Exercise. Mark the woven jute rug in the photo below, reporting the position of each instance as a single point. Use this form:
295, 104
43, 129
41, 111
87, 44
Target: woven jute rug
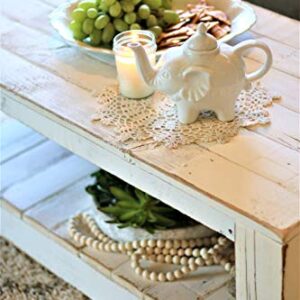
21, 278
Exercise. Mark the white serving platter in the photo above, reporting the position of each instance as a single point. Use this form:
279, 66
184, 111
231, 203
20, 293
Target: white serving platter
241, 15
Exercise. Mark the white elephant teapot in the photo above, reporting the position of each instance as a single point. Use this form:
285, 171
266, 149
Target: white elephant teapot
202, 75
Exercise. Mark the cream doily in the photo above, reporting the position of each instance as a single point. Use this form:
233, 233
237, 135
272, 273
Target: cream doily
155, 118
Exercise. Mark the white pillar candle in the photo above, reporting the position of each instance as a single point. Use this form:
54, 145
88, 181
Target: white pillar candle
131, 83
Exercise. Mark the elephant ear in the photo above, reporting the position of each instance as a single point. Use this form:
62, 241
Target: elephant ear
196, 84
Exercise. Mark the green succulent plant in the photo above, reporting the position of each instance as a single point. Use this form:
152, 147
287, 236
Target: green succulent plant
130, 207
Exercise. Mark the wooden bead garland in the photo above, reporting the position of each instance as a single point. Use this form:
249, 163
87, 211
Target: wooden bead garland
189, 254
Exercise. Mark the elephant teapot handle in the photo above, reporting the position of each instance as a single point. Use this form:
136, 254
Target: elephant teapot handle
243, 46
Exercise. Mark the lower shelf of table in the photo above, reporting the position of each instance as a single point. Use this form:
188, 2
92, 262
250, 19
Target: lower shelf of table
42, 187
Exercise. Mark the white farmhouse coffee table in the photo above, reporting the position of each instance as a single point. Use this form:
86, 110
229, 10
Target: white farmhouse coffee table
247, 189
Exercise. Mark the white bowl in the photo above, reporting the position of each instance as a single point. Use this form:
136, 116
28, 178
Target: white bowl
241, 15
137, 234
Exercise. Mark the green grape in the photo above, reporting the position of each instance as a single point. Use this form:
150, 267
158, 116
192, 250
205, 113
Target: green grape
115, 9
130, 18
135, 26
103, 7
88, 26
144, 11
86, 4
120, 15
78, 14
167, 4
75, 26
160, 12
127, 6
171, 17
135, 2
108, 33
157, 30
95, 37
151, 21
153, 4
162, 23
120, 25
109, 3
92, 13
102, 21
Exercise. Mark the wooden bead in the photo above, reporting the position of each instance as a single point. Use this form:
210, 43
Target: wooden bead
149, 250
152, 257
185, 270
180, 252
193, 267
145, 274
227, 267
184, 244
128, 246
203, 253
222, 241
134, 257
151, 243
196, 252
209, 261
176, 259
105, 239
138, 270
214, 240
89, 241
135, 244
160, 258
176, 244
192, 243
143, 243
168, 259
134, 264
217, 259
191, 260
170, 276
188, 251
101, 246
107, 247
82, 240
77, 236
100, 236
168, 244
173, 251
114, 247
165, 251
199, 261
153, 276
161, 277
160, 243
211, 251
121, 247
178, 274
184, 260
95, 244
157, 250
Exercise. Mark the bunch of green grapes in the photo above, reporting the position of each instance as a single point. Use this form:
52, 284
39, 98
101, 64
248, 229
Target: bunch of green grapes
97, 22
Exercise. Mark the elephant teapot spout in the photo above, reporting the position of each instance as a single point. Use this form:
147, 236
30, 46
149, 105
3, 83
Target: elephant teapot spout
144, 63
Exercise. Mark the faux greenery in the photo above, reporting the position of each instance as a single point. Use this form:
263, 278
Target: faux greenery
130, 207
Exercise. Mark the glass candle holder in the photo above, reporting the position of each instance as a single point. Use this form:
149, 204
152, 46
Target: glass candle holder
132, 85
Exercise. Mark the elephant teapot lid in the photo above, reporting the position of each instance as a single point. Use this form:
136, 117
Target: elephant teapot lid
201, 41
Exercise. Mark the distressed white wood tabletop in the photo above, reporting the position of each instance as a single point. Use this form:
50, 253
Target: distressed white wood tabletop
248, 186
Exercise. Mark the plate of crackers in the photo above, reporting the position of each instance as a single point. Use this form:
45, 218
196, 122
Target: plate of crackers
224, 19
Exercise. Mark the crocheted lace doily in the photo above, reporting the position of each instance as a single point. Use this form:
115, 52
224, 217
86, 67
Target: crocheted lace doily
155, 118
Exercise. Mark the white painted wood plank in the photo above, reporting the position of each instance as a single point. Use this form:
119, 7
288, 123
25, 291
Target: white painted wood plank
48, 181
65, 264
269, 268
60, 207
28, 163
17, 138
241, 263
